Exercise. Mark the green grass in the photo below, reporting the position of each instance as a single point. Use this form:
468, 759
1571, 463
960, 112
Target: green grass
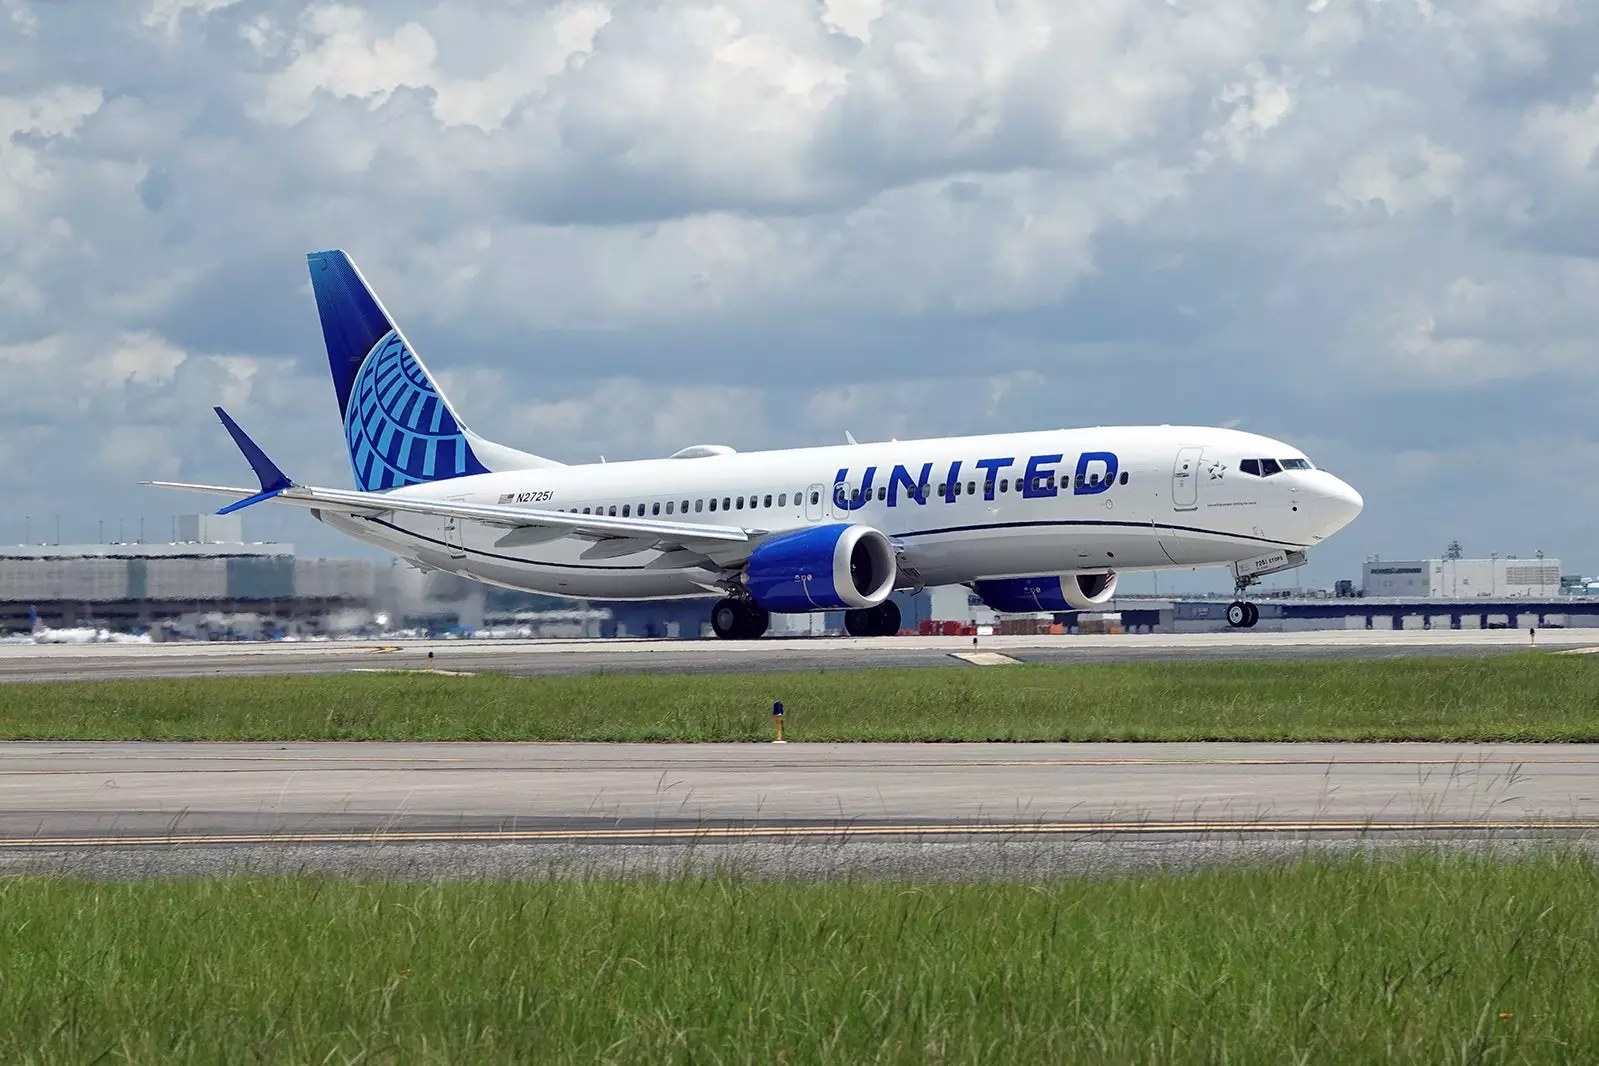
1428, 960
1510, 698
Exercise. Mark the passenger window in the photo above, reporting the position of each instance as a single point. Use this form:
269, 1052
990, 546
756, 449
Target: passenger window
1124, 477
957, 488
1004, 484
882, 492
782, 499
1093, 479
726, 502
943, 490
713, 503
740, 503
699, 505
668, 506
585, 510
971, 488
627, 510
816, 497
655, 509
768, 502
988, 488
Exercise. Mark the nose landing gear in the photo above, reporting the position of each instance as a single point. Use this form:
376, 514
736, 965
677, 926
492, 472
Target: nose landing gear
1241, 614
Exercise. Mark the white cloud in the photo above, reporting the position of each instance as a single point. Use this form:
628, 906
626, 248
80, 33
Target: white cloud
138, 358
1401, 179
168, 15
1569, 133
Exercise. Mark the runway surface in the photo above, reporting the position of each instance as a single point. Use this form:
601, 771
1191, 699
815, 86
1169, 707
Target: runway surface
104, 793
30, 662
123, 810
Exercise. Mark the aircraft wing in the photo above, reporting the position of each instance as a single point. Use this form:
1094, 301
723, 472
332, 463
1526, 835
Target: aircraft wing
524, 525
558, 523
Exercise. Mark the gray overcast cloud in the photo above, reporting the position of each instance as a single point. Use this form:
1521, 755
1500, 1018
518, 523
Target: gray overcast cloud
1370, 227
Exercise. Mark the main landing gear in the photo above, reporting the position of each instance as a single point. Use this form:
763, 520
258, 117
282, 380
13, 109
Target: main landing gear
879, 621
739, 619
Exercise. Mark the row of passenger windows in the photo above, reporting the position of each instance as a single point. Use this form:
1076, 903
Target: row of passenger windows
758, 502
726, 503
1268, 467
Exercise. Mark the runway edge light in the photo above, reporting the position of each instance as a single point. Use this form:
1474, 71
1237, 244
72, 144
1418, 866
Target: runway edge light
777, 716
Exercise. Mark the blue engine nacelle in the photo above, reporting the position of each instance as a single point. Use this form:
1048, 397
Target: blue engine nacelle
826, 568
1026, 595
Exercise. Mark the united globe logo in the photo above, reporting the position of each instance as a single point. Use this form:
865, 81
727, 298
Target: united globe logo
398, 428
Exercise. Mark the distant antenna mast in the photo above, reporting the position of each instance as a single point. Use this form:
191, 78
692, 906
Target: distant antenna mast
1454, 551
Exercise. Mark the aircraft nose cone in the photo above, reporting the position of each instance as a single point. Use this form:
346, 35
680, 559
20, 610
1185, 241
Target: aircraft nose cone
1336, 504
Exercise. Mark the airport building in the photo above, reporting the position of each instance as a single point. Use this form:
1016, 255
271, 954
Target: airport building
208, 569
1507, 578
210, 582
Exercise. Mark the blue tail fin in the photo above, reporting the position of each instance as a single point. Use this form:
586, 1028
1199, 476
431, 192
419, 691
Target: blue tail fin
399, 427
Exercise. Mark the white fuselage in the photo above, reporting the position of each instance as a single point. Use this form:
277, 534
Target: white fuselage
1178, 497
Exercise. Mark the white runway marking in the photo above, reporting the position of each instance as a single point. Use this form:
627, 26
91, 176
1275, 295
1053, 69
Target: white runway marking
983, 658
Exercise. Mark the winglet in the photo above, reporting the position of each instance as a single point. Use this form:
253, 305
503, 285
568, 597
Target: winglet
273, 480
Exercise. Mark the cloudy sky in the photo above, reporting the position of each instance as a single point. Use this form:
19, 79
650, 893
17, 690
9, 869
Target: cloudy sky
1370, 227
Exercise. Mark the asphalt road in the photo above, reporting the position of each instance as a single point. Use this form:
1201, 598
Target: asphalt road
29, 662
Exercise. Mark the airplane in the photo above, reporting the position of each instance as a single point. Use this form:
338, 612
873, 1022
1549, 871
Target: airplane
43, 634
1032, 521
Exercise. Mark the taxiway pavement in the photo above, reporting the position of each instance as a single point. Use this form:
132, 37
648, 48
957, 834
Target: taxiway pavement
65, 662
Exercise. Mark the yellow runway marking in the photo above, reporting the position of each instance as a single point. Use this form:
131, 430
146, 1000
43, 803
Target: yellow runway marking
829, 832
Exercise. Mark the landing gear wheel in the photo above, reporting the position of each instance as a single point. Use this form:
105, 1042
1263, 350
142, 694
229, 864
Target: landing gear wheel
1254, 615
739, 620
756, 621
879, 621
1238, 614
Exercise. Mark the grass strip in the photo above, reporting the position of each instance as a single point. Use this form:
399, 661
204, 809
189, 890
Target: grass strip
1429, 959
1523, 697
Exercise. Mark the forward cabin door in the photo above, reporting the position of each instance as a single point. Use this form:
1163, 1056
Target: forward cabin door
1185, 479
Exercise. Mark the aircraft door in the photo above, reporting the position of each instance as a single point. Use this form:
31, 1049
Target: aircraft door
452, 538
1185, 479
815, 503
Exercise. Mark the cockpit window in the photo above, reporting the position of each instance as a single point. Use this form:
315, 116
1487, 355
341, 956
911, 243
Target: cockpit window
1268, 467
1297, 464
1250, 466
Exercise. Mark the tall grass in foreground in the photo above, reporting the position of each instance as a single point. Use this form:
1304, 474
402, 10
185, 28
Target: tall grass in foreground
1432, 959
1517, 697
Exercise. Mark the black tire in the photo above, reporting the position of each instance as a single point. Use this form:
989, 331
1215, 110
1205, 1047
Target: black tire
756, 621
1254, 616
1238, 614
858, 623
887, 614
726, 619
